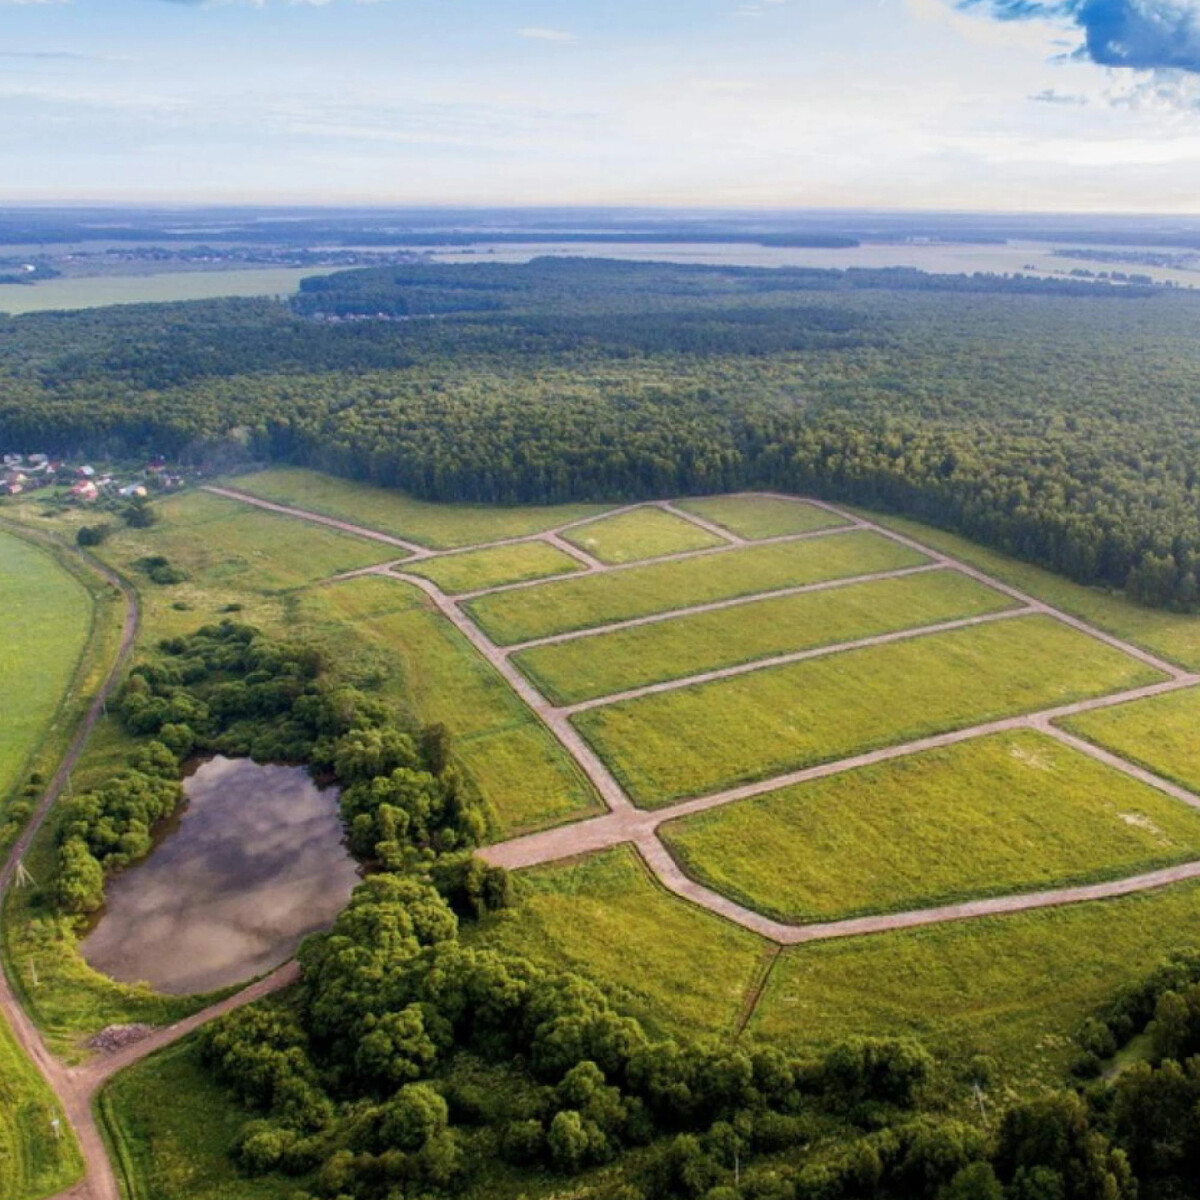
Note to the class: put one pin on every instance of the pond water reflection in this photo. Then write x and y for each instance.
(255, 863)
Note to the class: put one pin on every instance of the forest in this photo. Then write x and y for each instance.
(1052, 419)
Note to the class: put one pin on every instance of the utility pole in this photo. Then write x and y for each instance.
(22, 876)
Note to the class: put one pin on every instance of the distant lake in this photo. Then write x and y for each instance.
(254, 863)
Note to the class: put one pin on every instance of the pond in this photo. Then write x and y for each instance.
(254, 863)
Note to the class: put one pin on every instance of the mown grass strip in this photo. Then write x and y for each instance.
(472, 570)
(638, 534)
(1009, 813)
(756, 517)
(606, 663)
(700, 739)
(439, 526)
(565, 605)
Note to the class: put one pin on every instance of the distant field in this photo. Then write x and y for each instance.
(47, 617)
(33, 1161)
(172, 1129)
(474, 569)
(1162, 733)
(1015, 987)
(700, 739)
(570, 604)
(679, 968)
(1013, 812)
(100, 290)
(526, 777)
(642, 533)
(440, 526)
(605, 663)
(755, 517)
(1175, 636)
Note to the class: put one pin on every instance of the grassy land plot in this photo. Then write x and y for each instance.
(441, 526)
(1160, 733)
(47, 616)
(673, 965)
(1176, 636)
(569, 604)
(527, 778)
(703, 738)
(1013, 987)
(641, 533)
(1013, 812)
(605, 663)
(755, 517)
(171, 1127)
(33, 1161)
(473, 570)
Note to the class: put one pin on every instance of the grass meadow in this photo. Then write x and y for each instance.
(33, 1161)
(756, 517)
(471, 570)
(1174, 636)
(641, 533)
(439, 526)
(605, 663)
(703, 738)
(565, 605)
(1012, 812)
(528, 780)
(1013, 987)
(47, 616)
(1160, 733)
(677, 967)
(171, 1128)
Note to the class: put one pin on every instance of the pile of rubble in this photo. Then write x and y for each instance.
(116, 1037)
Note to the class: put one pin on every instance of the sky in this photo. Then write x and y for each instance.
(1062, 105)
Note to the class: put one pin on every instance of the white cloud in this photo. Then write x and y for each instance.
(537, 33)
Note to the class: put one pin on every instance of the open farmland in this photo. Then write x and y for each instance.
(599, 599)
(525, 776)
(758, 517)
(602, 664)
(1162, 733)
(1012, 812)
(1014, 988)
(472, 570)
(606, 917)
(47, 617)
(641, 533)
(440, 526)
(702, 738)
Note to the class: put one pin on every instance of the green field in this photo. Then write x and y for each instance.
(1013, 987)
(673, 965)
(1162, 733)
(1008, 813)
(755, 517)
(440, 526)
(569, 604)
(1175, 636)
(472, 570)
(700, 739)
(641, 533)
(47, 617)
(605, 663)
(171, 1128)
(33, 1161)
(97, 291)
(527, 778)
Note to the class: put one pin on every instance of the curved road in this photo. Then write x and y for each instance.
(624, 823)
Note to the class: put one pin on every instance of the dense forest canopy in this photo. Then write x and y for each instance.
(1053, 419)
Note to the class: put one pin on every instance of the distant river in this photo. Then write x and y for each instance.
(255, 862)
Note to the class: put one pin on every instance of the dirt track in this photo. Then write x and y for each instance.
(624, 823)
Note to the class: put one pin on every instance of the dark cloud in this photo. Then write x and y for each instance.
(1141, 34)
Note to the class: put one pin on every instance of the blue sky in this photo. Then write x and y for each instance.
(1090, 105)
